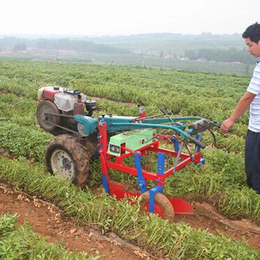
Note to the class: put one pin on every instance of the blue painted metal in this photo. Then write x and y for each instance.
(120, 120)
(140, 177)
(202, 160)
(161, 162)
(152, 192)
(143, 125)
(175, 142)
(157, 188)
(170, 119)
(90, 124)
(198, 138)
(105, 183)
(119, 123)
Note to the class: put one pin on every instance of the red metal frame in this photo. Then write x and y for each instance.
(49, 94)
(180, 206)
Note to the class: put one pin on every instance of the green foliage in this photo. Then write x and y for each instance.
(221, 179)
(244, 203)
(7, 224)
(26, 141)
(229, 55)
(176, 241)
(21, 243)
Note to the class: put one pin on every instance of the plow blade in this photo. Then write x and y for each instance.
(180, 205)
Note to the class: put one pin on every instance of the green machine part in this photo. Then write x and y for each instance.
(133, 140)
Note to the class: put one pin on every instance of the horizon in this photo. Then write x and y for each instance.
(33, 35)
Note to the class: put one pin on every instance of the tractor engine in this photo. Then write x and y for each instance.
(57, 107)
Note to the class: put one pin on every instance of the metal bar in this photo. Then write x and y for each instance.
(160, 169)
(140, 177)
(166, 120)
(152, 194)
(144, 125)
(65, 128)
(130, 170)
(60, 115)
(178, 167)
(178, 156)
(167, 151)
(102, 151)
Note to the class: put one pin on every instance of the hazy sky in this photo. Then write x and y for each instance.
(124, 17)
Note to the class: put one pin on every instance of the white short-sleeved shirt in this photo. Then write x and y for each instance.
(254, 87)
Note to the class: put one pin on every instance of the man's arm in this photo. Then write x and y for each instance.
(242, 106)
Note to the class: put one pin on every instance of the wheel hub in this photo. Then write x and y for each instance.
(66, 164)
(63, 165)
(157, 209)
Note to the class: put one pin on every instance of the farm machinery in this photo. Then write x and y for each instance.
(116, 140)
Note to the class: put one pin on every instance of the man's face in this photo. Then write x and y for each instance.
(253, 48)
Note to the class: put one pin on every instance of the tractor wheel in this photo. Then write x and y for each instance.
(66, 157)
(162, 206)
(46, 106)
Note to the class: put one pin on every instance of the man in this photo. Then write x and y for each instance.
(251, 98)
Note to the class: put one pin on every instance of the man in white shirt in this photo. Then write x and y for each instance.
(251, 98)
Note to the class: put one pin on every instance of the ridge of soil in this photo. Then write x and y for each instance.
(206, 217)
(46, 221)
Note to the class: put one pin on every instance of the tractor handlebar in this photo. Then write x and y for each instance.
(201, 125)
(197, 142)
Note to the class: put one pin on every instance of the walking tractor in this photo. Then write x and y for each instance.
(80, 138)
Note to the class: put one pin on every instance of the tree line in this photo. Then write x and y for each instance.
(221, 55)
(17, 44)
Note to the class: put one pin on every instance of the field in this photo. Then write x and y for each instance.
(221, 182)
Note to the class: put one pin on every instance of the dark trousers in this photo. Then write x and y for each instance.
(252, 160)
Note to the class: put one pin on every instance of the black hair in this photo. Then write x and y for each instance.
(252, 32)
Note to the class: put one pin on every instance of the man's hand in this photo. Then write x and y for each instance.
(241, 107)
(226, 125)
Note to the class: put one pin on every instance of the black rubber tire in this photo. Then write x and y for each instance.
(75, 156)
(161, 201)
(46, 106)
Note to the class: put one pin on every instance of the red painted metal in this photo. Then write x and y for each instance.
(49, 94)
(180, 205)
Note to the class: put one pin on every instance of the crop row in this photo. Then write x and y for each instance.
(175, 240)
(220, 181)
(22, 243)
(223, 172)
(202, 94)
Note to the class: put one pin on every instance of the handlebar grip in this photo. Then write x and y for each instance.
(163, 111)
(197, 142)
(215, 123)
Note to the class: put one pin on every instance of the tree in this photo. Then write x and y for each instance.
(20, 47)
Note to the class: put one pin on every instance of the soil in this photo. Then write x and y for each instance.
(206, 217)
(47, 221)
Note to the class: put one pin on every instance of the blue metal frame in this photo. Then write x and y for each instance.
(140, 177)
(202, 160)
(105, 183)
(157, 188)
(175, 142)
